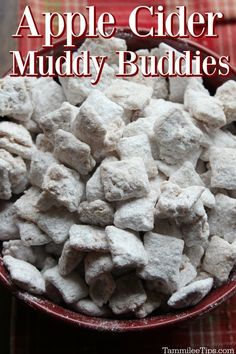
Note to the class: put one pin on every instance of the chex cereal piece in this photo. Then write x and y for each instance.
(30, 234)
(177, 138)
(226, 93)
(191, 294)
(56, 223)
(102, 289)
(204, 108)
(129, 95)
(175, 201)
(222, 219)
(64, 186)
(138, 146)
(69, 259)
(220, 139)
(43, 143)
(143, 126)
(97, 212)
(187, 272)
(194, 225)
(15, 171)
(104, 46)
(195, 254)
(18, 175)
(177, 85)
(61, 118)
(25, 275)
(99, 123)
(220, 257)
(159, 107)
(16, 139)
(18, 250)
(138, 214)
(94, 186)
(196, 233)
(77, 89)
(5, 183)
(88, 238)
(39, 164)
(73, 152)
(164, 259)
(71, 287)
(124, 179)
(152, 303)
(128, 296)
(15, 100)
(186, 176)
(159, 84)
(89, 308)
(223, 162)
(97, 264)
(47, 95)
(167, 169)
(126, 248)
(208, 199)
(8, 228)
(160, 88)
(26, 205)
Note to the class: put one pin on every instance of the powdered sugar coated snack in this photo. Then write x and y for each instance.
(118, 199)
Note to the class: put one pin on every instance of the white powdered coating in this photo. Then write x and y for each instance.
(8, 228)
(164, 259)
(16, 139)
(141, 154)
(128, 296)
(97, 264)
(88, 238)
(71, 287)
(69, 259)
(15, 100)
(64, 186)
(25, 275)
(219, 259)
(191, 294)
(89, 308)
(126, 248)
(124, 179)
(56, 223)
(129, 95)
(30, 234)
(73, 152)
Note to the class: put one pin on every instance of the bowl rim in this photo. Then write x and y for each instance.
(212, 300)
(116, 325)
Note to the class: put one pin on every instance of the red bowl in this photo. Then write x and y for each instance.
(213, 299)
